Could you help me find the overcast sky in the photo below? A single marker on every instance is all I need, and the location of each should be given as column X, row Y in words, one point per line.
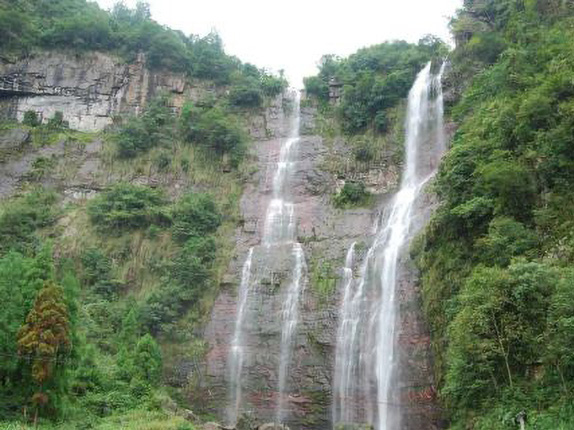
column 294, row 34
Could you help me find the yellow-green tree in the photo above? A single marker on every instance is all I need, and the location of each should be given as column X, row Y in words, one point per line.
column 45, row 339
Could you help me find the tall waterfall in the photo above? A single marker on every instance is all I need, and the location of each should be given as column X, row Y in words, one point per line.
column 279, row 234
column 366, row 360
column 237, row 351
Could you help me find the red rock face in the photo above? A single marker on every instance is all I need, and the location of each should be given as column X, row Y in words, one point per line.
column 326, row 233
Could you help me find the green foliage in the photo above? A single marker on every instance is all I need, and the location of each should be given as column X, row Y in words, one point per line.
column 140, row 134
column 317, row 87
column 57, row 122
column 374, row 80
column 21, row 279
column 31, row 118
column 20, row 218
column 498, row 330
column 194, row 215
column 353, row 194
column 147, row 360
column 215, row 129
column 494, row 259
column 363, row 150
column 97, row 273
column 126, row 206
column 189, row 276
column 506, row 239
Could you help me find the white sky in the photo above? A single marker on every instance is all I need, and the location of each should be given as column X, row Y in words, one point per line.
column 294, row 34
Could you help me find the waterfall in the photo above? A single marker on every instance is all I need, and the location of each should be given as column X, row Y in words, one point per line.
column 366, row 361
column 290, row 317
column 279, row 233
column 280, row 228
column 345, row 334
column 237, row 350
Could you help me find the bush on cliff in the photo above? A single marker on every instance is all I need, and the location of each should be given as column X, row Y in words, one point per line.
column 353, row 194
column 213, row 128
column 126, row 206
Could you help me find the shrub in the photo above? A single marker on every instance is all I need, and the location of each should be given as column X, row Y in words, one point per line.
column 272, row 86
column 189, row 276
column 194, row 215
column 316, row 87
column 57, row 121
column 352, row 194
column 246, row 94
column 363, row 150
column 127, row 206
column 97, row 273
column 215, row 129
column 140, row 134
column 20, row 218
column 31, row 118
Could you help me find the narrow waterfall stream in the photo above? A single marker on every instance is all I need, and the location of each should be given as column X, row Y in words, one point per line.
column 279, row 234
column 236, row 354
column 366, row 359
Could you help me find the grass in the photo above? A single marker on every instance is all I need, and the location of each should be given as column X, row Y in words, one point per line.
column 133, row 420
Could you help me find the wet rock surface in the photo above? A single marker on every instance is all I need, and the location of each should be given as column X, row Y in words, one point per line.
column 326, row 234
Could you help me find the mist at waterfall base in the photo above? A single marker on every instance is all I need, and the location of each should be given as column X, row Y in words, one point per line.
column 365, row 380
column 279, row 233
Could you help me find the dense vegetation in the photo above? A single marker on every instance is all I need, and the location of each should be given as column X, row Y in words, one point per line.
column 361, row 101
column 97, row 358
column 119, row 279
column 373, row 80
column 80, row 25
column 497, row 258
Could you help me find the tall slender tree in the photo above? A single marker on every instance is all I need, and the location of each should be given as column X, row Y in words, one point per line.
column 45, row 339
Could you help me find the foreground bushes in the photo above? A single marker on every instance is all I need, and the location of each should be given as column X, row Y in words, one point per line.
column 496, row 258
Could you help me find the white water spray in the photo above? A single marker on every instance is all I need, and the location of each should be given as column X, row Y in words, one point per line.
column 279, row 231
column 366, row 358
column 237, row 351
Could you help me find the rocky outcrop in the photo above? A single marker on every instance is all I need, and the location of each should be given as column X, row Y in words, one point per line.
column 89, row 89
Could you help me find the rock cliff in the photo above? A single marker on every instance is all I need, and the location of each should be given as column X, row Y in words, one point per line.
column 90, row 89
column 326, row 234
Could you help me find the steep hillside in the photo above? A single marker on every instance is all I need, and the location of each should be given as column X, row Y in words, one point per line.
column 496, row 260
column 114, row 239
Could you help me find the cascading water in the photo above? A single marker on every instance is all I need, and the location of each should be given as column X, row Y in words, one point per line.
column 347, row 327
column 290, row 317
column 237, row 351
column 279, row 232
column 366, row 361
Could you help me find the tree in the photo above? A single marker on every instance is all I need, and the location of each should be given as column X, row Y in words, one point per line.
column 560, row 333
column 45, row 339
column 498, row 330
column 147, row 360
